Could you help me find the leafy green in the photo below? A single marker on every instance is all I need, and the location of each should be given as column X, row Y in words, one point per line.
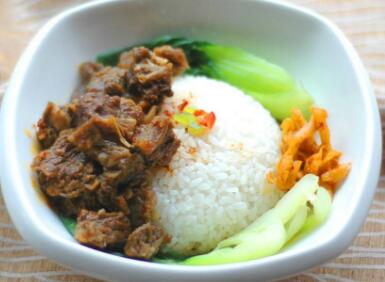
column 69, row 223
column 270, row 84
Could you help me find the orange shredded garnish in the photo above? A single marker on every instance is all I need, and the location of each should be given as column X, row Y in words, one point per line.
column 301, row 154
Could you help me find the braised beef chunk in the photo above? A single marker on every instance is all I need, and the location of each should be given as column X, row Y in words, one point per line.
column 96, row 130
column 88, row 69
column 121, row 165
column 101, row 150
column 130, row 58
column 141, row 203
column 92, row 104
column 174, row 55
column 144, row 242
column 148, row 76
column 72, row 206
column 101, row 140
column 156, row 141
column 64, row 172
column 54, row 120
column 102, row 229
column 109, row 80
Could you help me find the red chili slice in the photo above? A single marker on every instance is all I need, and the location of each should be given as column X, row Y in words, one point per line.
column 182, row 105
column 207, row 120
column 168, row 113
column 198, row 113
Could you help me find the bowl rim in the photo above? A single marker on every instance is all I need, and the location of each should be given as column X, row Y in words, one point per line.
column 10, row 173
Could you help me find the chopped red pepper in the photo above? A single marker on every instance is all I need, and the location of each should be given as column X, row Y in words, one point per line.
column 182, row 105
column 168, row 113
column 207, row 120
column 198, row 113
column 197, row 121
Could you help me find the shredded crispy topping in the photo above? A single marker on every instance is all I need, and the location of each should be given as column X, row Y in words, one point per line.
column 302, row 154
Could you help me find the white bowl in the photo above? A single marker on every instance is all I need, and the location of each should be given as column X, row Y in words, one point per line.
column 307, row 45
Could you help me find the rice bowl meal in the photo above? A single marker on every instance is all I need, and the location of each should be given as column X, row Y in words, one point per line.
column 187, row 152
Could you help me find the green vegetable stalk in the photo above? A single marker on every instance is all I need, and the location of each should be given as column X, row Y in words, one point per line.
column 319, row 212
column 301, row 210
column 271, row 85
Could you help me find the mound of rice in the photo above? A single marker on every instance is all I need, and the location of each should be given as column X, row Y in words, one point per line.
column 216, row 185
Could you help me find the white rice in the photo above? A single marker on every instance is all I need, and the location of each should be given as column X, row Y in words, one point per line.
column 216, row 185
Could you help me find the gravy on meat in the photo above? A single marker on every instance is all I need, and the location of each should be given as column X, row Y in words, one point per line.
column 98, row 150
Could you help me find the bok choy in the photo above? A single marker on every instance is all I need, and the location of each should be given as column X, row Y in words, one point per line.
column 270, row 84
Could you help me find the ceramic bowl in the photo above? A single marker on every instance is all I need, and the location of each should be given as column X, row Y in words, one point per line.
column 312, row 49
